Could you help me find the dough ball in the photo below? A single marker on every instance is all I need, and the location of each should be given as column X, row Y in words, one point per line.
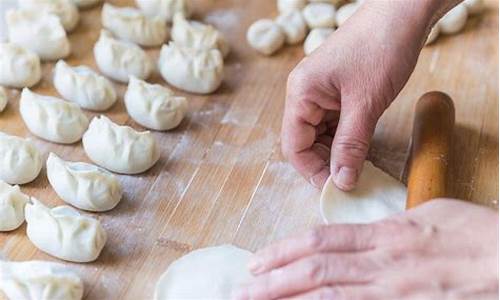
column 293, row 25
column 319, row 15
column 3, row 98
column 315, row 38
column 65, row 10
column 474, row 6
column 345, row 12
column 454, row 21
column 433, row 35
column 20, row 161
column 165, row 9
column 12, row 203
column 19, row 67
column 377, row 196
column 208, row 273
column 290, row 5
column 265, row 36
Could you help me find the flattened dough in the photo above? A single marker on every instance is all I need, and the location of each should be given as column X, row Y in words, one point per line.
column 376, row 197
column 208, row 273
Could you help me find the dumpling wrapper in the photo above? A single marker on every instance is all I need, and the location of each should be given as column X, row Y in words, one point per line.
column 376, row 197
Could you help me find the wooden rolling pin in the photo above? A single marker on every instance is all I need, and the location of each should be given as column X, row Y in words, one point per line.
column 430, row 148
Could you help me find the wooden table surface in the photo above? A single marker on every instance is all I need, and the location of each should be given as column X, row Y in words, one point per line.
column 221, row 177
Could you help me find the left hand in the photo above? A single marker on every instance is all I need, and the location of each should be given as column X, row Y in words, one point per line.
column 445, row 249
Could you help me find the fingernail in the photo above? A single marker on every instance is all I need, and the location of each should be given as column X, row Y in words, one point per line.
column 346, row 178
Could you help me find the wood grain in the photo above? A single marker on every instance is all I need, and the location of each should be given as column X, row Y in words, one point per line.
column 221, row 177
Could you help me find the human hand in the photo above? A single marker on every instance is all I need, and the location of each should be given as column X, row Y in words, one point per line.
column 444, row 249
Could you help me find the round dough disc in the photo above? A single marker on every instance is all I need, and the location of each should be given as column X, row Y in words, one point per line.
column 376, row 197
column 208, row 273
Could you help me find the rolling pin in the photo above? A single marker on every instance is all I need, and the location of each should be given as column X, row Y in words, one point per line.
column 430, row 148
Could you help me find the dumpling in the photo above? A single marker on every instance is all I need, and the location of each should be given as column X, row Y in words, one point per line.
column 19, row 67
column 20, row 161
column 165, row 9
column 64, row 233
column 454, row 20
column 39, row 32
column 319, row 15
column 154, row 106
column 39, row 280
column 192, row 70
column 85, row 3
column 265, row 36
column 197, row 35
column 120, row 59
column 65, row 10
column 12, row 203
column 84, row 86
column 293, row 26
column 290, row 5
column 51, row 118
column 130, row 24
column 315, row 38
column 83, row 185
column 345, row 12
column 118, row 148
column 3, row 98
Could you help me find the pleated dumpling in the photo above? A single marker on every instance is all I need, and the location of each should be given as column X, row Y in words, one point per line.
column 165, row 9
column 64, row 233
column 19, row 67
column 120, row 149
column 192, row 70
column 39, row 32
column 20, row 161
column 12, row 203
column 51, row 118
column 65, row 10
column 193, row 34
column 83, row 185
column 154, row 106
column 84, row 87
column 130, row 24
column 119, row 59
column 39, row 280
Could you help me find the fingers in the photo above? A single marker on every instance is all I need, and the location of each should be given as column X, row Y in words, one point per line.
column 340, row 292
column 333, row 238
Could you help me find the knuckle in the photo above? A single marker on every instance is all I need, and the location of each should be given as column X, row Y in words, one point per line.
column 356, row 147
column 315, row 271
column 315, row 238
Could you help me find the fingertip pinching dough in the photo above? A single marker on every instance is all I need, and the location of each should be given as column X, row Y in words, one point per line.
column 33, row 280
column 293, row 25
column 165, row 9
column 319, row 15
column 84, row 87
column 119, row 59
column 120, row 149
column 130, row 24
column 19, row 67
column 51, row 118
column 3, row 98
column 154, row 106
column 265, row 36
column 65, row 10
column 193, row 70
column 63, row 233
column 12, row 202
column 20, row 161
column 39, row 32
column 315, row 38
column 83, row 185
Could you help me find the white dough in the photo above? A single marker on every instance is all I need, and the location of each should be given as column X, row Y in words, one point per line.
column 83, row 185
column 165, row 9
column 290, row 5
column 345, row 12
column 39, row 280
column 65, row 10
column 377, row 196
column 51, row 118
column 154, row 106
column 454, row 21
column 197, row 35
column 193, row 70
column 319, row 15
column 333, row 2
column 474, row 6
column 85, row 3
column 19, row 67
column 120, row 149
column 208, row 273
column 12, row 203
column 84, row 87
column 39, row 32
column 293, row 25
column 3, row 98
column 315, row 38
column 20, row 161
column 119, row 59
column 5, row 5
column 130, row 24
column 433, row 35
column 64, row 233
column 265, row 36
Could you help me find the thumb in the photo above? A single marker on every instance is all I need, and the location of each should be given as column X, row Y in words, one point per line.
column 350, row 145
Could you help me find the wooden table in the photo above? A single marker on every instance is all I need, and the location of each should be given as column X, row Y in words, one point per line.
column 221, row 177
